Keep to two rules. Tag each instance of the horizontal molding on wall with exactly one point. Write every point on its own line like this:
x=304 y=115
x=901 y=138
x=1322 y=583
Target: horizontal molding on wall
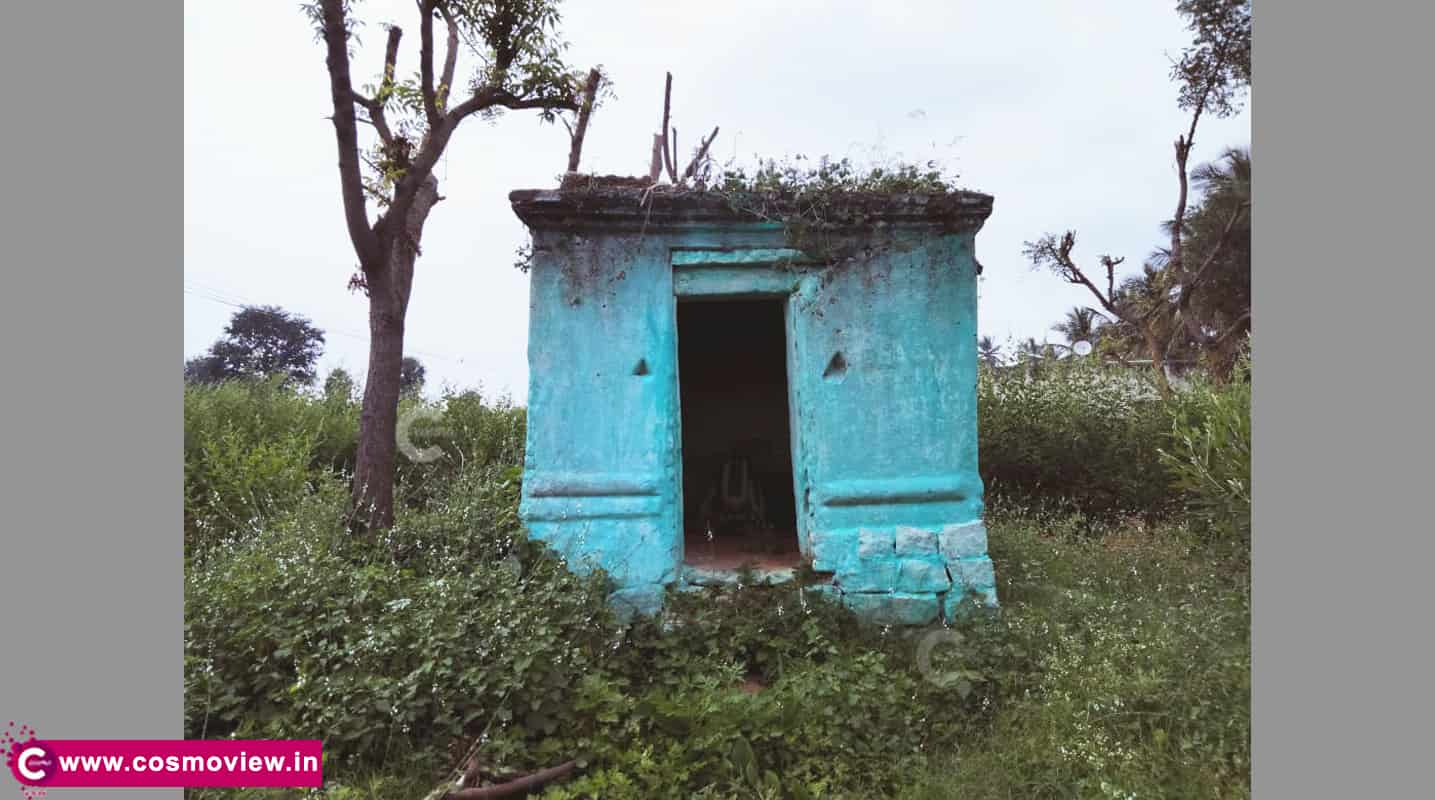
x=591 y=484
x=732 y=282
x=564 y=509
x=954 y=487
x=737 y=271
x=738 y=257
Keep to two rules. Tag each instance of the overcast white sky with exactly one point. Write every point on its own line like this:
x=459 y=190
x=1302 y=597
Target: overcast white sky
x=1063 y=111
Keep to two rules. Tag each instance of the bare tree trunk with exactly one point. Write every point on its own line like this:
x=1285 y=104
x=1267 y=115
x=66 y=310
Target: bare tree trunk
x=373 y=475
x=585 y=110
x=1158 y=360
x=389 y=287
x=388 y=248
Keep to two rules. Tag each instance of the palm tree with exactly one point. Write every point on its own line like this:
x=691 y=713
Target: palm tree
x=1032 y=350
x=989 y=351
x=1082 y=324
x=1033 y=354
x=1217 y=245
x=1028 y=349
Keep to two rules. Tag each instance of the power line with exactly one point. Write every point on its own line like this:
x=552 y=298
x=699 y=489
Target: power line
x=217 y=296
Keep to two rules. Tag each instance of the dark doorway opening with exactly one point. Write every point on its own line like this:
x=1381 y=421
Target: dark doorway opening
x=738 y=504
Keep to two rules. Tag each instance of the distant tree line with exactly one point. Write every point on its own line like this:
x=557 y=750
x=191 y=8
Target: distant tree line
x=265 y=342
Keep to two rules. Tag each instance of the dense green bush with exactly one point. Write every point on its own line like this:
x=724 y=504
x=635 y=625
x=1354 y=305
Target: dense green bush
x=255 y=448
x=462 y=432
x=303 y=631
x=397 y=652
x=1077 y=436
x=251 y=450
x=852 y=723
x=1118 y=667
x=843 y=709
x=1210 y=453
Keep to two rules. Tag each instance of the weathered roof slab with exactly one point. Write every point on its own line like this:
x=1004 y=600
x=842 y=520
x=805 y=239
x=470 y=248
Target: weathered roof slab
x=624 y=204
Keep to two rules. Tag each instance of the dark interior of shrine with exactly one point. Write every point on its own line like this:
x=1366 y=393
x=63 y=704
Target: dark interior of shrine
x=738 y=504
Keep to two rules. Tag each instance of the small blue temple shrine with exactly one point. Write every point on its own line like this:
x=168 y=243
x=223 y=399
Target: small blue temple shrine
x=722 y=382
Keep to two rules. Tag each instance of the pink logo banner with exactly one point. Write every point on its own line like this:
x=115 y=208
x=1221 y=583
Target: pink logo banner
x=158 y=763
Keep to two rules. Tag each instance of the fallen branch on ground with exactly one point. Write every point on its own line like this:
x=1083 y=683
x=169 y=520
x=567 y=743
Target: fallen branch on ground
x=516 y=785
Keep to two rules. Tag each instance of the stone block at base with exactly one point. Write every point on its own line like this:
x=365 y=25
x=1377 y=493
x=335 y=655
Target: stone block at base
x=874 y=545
x=915 y=543
x=869 y=575
x=893 y=608
x=644 y=599
x=958 y=604
x=833 y=550
x=826 y=590
x=967 y=540
x=972 y=573
x=731 y=578
x=920 y=575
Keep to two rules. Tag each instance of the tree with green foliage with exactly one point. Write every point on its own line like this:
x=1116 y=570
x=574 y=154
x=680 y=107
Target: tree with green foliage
x=1197 y=327
x=1143 y=295
x=1213 y=75
x=1081 y=324
x=411 y=376
x=339 y=386
x=259 y=342
x=1214 y=306
x=1031 y=354
x=413 y=120
x=989 y=351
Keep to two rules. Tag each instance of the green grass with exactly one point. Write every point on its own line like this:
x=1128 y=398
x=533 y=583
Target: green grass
x=1118 y=667
x=1139 y=681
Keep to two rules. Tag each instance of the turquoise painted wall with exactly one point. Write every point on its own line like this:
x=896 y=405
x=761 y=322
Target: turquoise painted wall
x=882 y=378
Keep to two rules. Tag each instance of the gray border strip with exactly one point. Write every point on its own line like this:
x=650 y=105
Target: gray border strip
x=1341 y=701
x=91 y=564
